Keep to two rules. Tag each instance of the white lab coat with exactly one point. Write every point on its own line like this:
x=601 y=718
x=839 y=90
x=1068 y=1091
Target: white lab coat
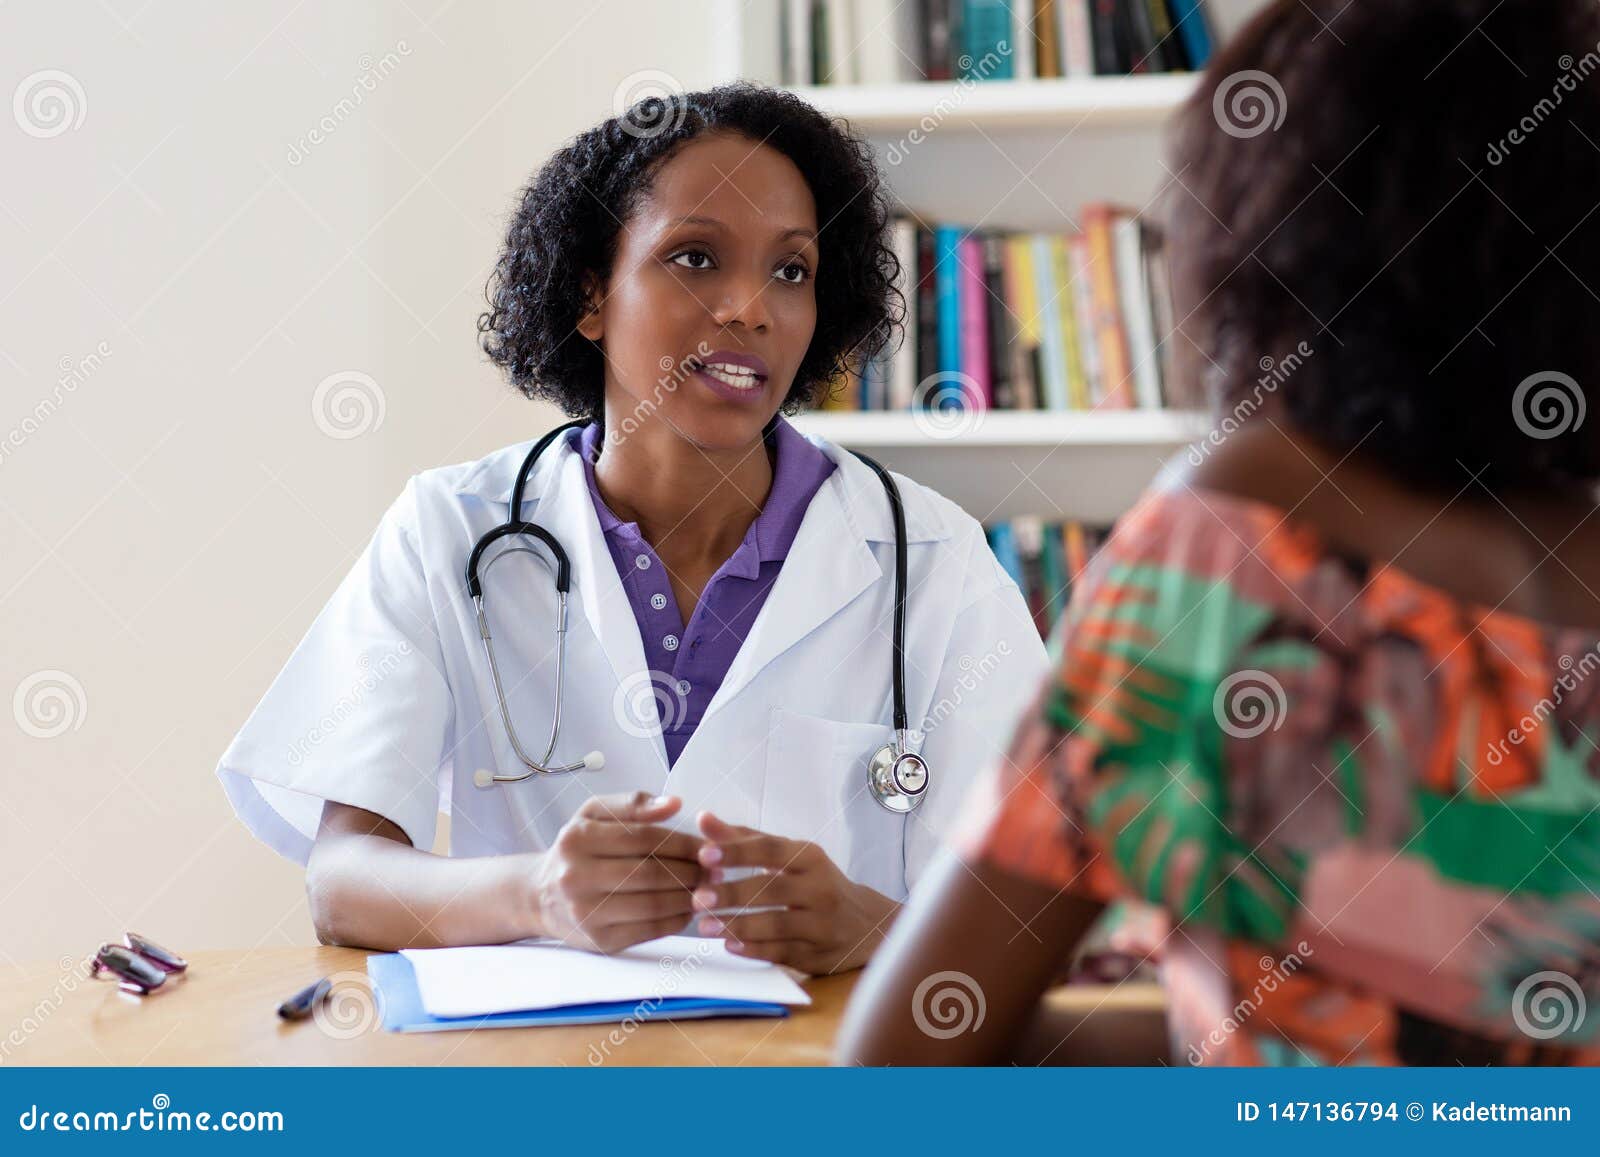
x=388 y=703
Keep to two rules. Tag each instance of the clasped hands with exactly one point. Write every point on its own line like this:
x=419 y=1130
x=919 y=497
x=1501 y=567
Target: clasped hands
x=616 y=877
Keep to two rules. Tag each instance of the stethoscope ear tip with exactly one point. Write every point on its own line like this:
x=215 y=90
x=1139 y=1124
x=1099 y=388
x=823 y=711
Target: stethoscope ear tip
x=594 y=761
x=483 y=777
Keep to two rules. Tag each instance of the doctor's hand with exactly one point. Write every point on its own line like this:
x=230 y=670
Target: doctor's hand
x=825 y=922
x=614 y=877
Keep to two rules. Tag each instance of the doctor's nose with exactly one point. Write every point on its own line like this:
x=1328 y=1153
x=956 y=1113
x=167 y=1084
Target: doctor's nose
x=744 y=302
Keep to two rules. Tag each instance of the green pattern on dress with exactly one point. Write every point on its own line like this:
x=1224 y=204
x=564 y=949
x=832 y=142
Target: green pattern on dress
x=1163 y=787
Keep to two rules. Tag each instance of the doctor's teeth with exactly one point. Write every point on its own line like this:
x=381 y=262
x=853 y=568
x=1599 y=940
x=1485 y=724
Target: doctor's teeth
x=741 y=378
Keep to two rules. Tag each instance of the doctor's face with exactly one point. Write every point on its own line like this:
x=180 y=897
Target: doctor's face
x=716 y=265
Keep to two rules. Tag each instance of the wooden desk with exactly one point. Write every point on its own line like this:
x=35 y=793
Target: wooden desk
x=224 y=1013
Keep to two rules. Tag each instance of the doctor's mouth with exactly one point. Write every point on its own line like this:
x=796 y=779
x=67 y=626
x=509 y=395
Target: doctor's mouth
x=737 y=377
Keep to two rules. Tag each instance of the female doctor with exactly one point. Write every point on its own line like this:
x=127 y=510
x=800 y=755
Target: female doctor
x=678 y=276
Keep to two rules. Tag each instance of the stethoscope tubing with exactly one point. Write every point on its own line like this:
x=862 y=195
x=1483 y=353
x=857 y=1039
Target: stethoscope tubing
x=515 y=525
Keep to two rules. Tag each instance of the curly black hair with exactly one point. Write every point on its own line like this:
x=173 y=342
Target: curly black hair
x=1422 y=216
x=567 y=227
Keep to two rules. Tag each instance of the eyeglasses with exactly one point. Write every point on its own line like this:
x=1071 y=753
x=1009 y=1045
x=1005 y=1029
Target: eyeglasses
x=141 y=965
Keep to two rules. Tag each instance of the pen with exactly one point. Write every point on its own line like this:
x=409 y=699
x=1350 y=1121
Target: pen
x=299 y=1006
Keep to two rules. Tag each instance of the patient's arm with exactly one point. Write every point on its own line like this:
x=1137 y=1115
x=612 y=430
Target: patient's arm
x=1001 y=940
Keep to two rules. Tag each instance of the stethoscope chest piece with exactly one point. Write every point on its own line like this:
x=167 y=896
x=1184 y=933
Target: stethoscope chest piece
x=898 y=779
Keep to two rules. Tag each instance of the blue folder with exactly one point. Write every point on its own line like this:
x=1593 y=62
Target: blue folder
x=400 y=1003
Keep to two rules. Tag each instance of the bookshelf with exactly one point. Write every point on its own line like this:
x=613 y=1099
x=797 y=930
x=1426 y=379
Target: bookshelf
x=1004 y=155
x=1085 y=466
x=1095 y=103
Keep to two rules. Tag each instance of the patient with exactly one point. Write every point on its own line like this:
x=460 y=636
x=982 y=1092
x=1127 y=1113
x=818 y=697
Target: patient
x=1329 y=698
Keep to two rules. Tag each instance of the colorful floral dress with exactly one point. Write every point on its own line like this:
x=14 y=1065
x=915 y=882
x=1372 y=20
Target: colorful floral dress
x=1367 y=811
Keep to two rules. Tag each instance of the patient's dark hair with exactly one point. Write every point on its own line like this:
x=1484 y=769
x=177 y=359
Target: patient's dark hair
x=570 y=215
x=1423 y=218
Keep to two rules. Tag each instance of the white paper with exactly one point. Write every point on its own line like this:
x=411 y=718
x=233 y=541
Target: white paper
x=534 y=975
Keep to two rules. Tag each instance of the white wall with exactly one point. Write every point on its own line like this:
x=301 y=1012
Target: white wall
x=170 y=528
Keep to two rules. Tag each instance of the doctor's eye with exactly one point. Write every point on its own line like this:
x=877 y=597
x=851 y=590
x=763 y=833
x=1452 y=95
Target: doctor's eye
x=805 y=272
x=701 y=253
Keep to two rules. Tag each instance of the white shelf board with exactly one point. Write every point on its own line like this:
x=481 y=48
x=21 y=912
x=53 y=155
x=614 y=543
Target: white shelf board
x=1087 y=466
x=1088 y=102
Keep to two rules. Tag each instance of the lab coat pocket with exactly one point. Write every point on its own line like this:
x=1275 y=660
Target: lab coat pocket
x=816 y=789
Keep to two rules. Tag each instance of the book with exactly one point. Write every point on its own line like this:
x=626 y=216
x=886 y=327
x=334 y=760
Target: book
x=1020 y=292
x=1074 y=340
x=1001 y=384
x=1168 y=45
x=1052 y=343
x=972 y=299
x=1077 y=38
x=796 y=42
x=1083 y=314
x=842 y=59
x=1161 y=309
x=1139 y=323
x=938 y=35
x=903 y=365
x=879 y=30
x=986 y=30
x=947 y=279
x=1046 y=40
x=1020 y=43
x=1109 y=332
x=927 y=307
x=1046 y=560
x=819 y=42
x=1035 y=321
x=1189 y=17
x=1144 y=52
x=891 y=41
x=1110 y=45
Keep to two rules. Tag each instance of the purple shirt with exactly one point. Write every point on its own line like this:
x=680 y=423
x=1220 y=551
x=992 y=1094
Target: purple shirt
x=687 y=663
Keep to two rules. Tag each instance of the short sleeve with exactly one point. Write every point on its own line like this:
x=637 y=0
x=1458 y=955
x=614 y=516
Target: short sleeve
x=1113 y=787
x=360 y=714
x=1026 y=816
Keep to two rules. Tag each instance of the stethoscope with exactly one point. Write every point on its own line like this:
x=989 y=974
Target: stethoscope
x=896 y=776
